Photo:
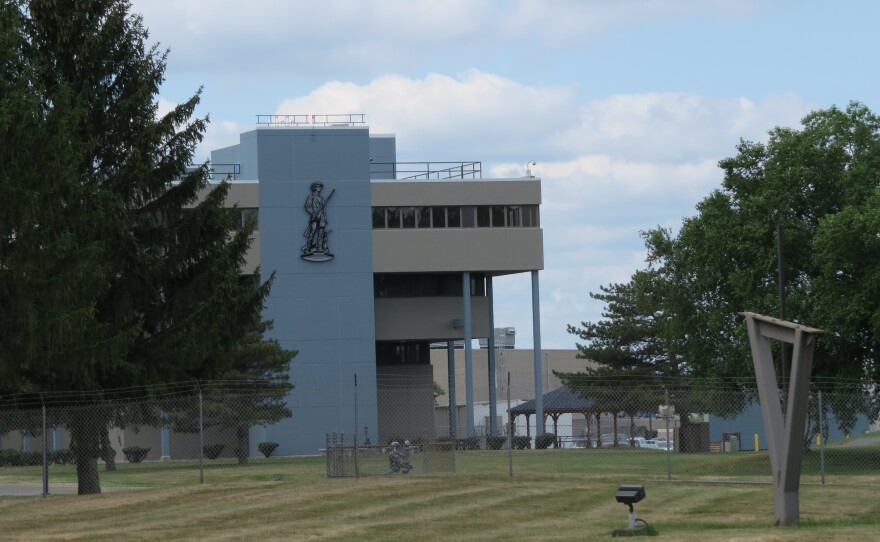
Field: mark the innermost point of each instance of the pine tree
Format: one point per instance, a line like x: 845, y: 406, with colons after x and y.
x: 106, y: 280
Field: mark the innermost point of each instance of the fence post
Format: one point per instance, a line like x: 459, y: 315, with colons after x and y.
x: 201, y: 440
x: 45, y: 456
x: 357, y: 472
x: 821, y: 439
x: 668, y: 457
x: 510, y: 426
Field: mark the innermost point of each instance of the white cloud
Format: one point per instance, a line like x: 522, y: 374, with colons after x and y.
x: 563, y: 23
x: 474, y: 110
x: 164, y: 107
x: 321, y: 36
x: 674, y: 126
x: 620, y: 137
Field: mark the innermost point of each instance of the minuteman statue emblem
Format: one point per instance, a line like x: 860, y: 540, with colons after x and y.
x: 316, y: 249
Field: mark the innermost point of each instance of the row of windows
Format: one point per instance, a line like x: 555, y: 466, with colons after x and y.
x: 240, y: 216
x: 466, y: 216
x: 426, y: 285
x: 406, y: 353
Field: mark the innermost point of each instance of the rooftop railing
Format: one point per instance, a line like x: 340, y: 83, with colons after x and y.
x: 426, y: 170
x: 342, y: 119
x: 223, y: 171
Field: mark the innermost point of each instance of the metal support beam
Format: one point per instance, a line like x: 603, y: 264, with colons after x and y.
x: 468, y: 353
x: 453, y: 406
x: 536, y: 333
x: 785, y: 433
x: 493, y: 409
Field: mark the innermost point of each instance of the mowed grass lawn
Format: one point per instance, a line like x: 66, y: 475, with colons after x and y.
x: 554, y: 495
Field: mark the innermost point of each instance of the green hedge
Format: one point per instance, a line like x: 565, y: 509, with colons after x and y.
x: 135, y: 454
x: 496, y: 442
x: 213, y: 451
x: 266, y: 448
x: 522, y: 442
x: 64, y: 456
x: 14, y: 458
x: 545, y: 440
x: 469, y: 443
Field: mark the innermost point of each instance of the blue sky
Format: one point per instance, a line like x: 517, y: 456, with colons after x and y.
x: 626, y: 105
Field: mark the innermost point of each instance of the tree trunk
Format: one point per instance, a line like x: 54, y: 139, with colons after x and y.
x: 589, y: 433
x: 616, y: 442
x: 84, y: 436
x: 107, y: 451
x: 242, y: 435
x: 598, y: 430
x: 632, y: 431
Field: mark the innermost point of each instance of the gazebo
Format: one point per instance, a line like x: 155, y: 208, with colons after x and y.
x: 560, y: 401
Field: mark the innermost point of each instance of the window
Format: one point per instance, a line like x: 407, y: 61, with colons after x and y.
x: 468, y: 215
x: 438, y: 215
x: 498, y: 216
x: 514, y: 215
x: 241, y: 215
x: 378, y: 218
x: 423, y: 217
x: 393, y: 214
x: 453, y: 217
x: 483, y: 217
x: 250, y: 214
x: 408, y: 217
x: 530, y: 216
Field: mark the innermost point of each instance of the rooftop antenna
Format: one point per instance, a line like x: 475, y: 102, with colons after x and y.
x: 529, y: 171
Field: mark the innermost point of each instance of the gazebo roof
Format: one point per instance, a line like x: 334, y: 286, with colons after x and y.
x: 561, y: 401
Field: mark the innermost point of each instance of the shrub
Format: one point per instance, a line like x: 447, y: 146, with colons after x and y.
x: 31, y: 459
x: 495, y: 442
x: 469, y: 443
x: 522, y: 442
x: 9, y: 458
x: 135, y: 454
x: 545, y: 440
x: 213, y: 451
x: 65, y: 456
x: 266, y: 448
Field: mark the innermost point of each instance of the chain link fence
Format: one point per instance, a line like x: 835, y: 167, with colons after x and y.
x: 698, y: 433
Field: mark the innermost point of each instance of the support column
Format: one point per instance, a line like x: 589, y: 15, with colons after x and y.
x: 490, y: 298
x: 536, y: 332
x: 468, y: 353
x: 453, y: 404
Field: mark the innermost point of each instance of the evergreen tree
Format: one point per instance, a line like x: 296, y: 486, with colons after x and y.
x: 105, y: 280
x: 260, y: 369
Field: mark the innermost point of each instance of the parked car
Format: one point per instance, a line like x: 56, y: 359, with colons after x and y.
x: 658, y: 444
x: 623, y: 441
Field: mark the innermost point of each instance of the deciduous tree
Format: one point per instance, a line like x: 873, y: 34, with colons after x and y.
x: 819, y: 185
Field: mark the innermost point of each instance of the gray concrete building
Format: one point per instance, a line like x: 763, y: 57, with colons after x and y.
x: 374, y: 260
